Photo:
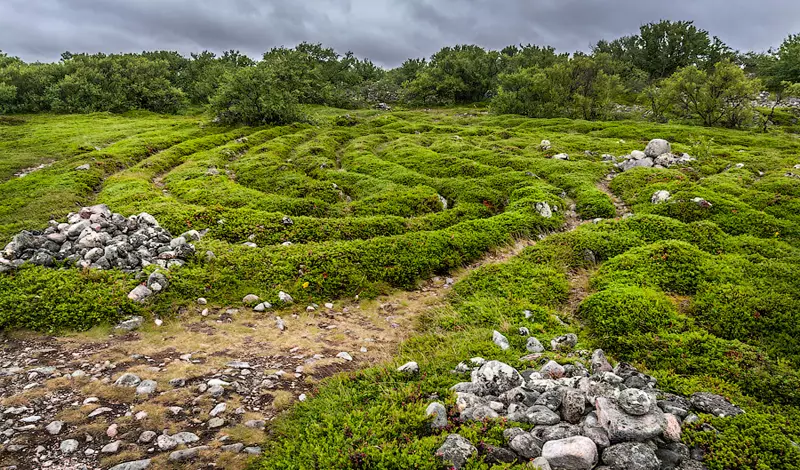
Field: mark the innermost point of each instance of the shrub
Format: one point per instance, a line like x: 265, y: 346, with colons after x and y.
x: 672, y: 266
x: 50, y: 300
x: 254, y: 96
x: 623, y: 310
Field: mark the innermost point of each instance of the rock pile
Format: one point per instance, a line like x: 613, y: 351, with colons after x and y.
x: 609, y: 418
x: 96, y: 238
x: 657, y: 154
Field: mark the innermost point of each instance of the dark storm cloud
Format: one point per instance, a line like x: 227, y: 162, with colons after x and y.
x: 387, y: 31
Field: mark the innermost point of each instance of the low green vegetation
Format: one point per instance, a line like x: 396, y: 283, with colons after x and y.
x: 702, y: 296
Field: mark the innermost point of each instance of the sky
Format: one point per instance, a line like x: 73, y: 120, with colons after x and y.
x: 385, y: 31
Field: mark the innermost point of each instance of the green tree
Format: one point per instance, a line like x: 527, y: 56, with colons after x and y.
x: 460, y: 74
x: 577, y: 88
x: 722, y: 96
x: 660, y: 49
x: 255, y: 96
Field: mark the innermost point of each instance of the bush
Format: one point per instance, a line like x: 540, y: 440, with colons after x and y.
x: 255, y: 96
x: 51, y: 300
x: 623, y: 310
x: 723, y: 96
x: 672, y: 266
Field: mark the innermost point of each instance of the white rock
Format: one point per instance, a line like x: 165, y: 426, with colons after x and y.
x: 345, y: 356
x: 410, y: 368
x: 285, y: 298
x: 572, y: 453
x: 500, y: 340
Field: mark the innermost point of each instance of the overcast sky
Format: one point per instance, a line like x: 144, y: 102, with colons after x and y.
x: 386, y: 31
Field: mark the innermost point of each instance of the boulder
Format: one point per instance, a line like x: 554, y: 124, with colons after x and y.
x: 439, y: 414
x: 128, y: 380
x: 573, y: 405
x: 631, y: 456
x: 495, y: 378
x: 526, y: 446
x: 456, y: 451
x: 410, y: 368
x: 635, y: 402
x: 622, y: 426
x: 534, y: 345
x: 657, y: 147
x: 564, y: 343
x: 572, y: 453
x: 714, y: 404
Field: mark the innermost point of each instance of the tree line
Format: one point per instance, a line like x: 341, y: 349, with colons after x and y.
x: 673, y: 70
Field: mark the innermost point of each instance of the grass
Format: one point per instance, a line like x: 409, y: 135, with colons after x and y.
x: 704, y: 298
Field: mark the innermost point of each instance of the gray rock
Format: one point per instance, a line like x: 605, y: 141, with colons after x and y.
x: 520, y: 395
x: 500, y: 340
x: 714, y: 404
x: 631, y: 456
x: 439, y: 413
x: 545, y: 145
x: 600, y: 362
x: 133, y: 465
x: 543, y: 209
x: 68, y: 446
x: 220, y: 408
x: 250, y: 299
x: 556, y: 432
x: 526, y: 446
x: 540, y: 463
x: 498, y: 455
x: 130, y: 324
x: 660, y: 197
x: 550, y: 399
x: 552, y: 370
x: 456, y: 451
x: 255, y: 424
x: 285, y: 298
x: 534, y: 345
x: 185, y: 437
x: 541, y: 415
x: 252, y: 450
x: 495, y: 378
x: 635, y: 402
x: 572, y: 453
x: 99, y: 411
x: 166, y: 442
x: 214, y: 423
x: 235, y: 448
x: 128, y: 380
x: 573, y: 405
x: 54, y: 428
x: 146, y: 387
x: 186, y: 454
x: 564, y: 343
x: 561, y: 156
x: 147, y: 437
x: 140, y: 294
x: 83, y: 167
x: 410, y: 368
x: 111, y: 447
x: 621, y: 426
x: 657, y: 147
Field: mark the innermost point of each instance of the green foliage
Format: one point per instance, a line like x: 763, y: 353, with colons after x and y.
x: 460, y: 74
x: 622, y: 310
x: 722, y: 96
x: 577, y: 88
x: 765, y: 439
x: 255, y: 96
x: 72, y: 300
x: 660, y: 49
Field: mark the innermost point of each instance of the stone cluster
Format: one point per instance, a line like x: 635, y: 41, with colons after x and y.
x: 96, y: 238
x: 657, y: 154
x: 607, y: 418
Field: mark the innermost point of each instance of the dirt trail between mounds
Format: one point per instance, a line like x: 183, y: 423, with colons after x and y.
x: 219, y: 375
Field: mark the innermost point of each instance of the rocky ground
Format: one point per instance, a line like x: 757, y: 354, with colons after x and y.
x: 203, y: 387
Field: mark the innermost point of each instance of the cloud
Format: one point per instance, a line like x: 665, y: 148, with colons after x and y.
x: 386, y: 31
